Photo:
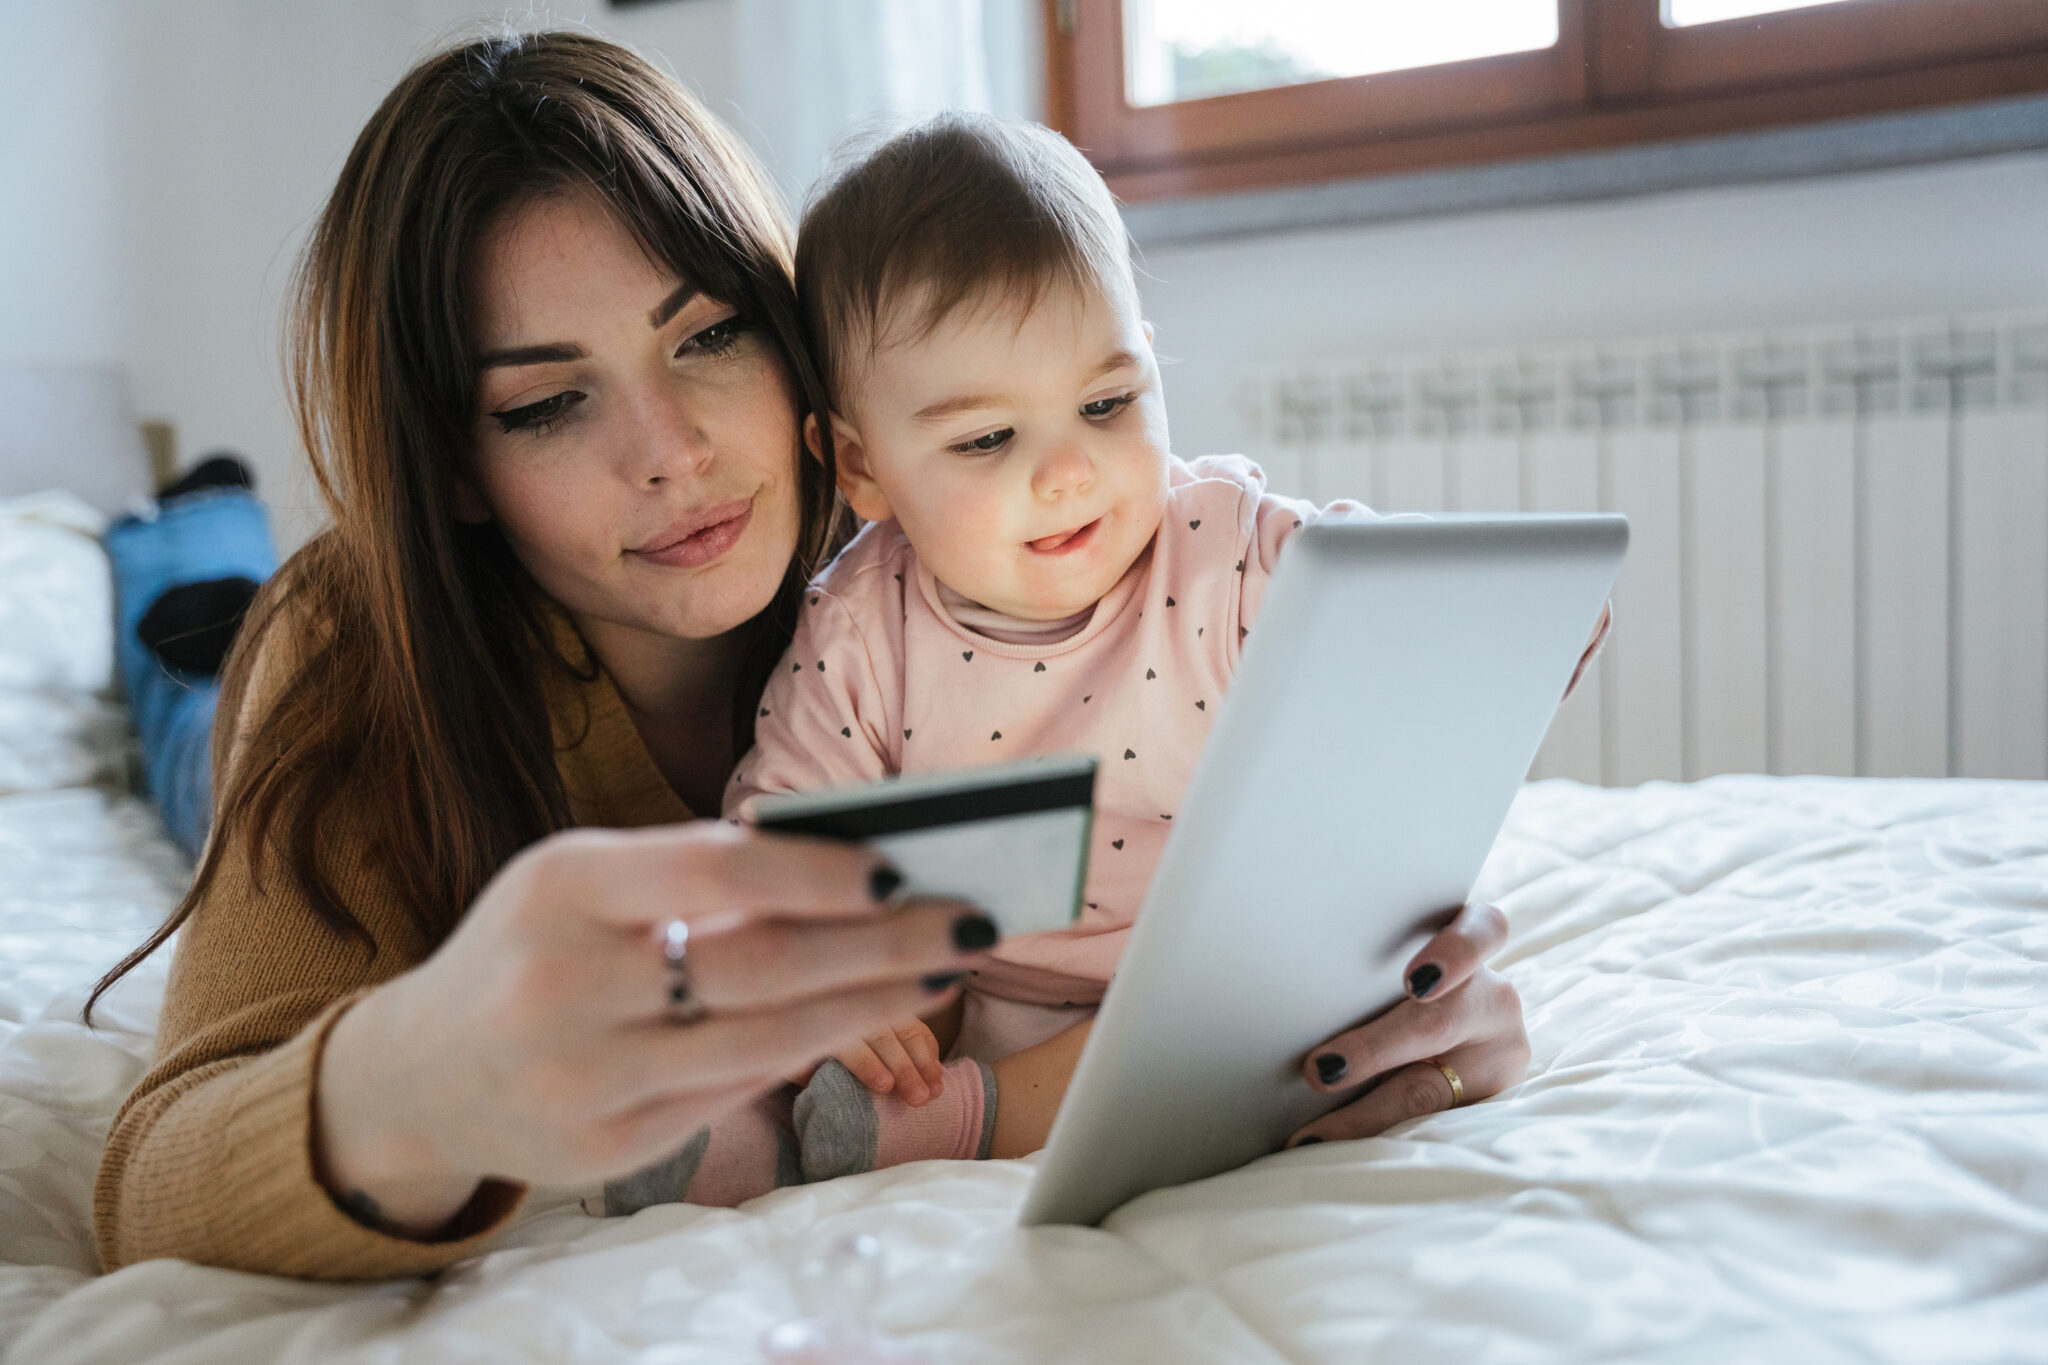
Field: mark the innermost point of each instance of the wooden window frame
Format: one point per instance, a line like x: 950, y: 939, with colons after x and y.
x: 1616, y: 76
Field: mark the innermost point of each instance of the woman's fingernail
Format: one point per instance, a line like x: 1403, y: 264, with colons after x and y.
x: 1423, y: 979
x: 938, y: 983
x: 1305, y: 1141
x: 884, y: 881
x: 972, y: 933
x: 1331, y: 1068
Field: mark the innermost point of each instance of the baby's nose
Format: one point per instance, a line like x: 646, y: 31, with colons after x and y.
x: 1064, y: 470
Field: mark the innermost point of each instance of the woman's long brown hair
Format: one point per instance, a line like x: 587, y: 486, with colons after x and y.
x: 416, y: 642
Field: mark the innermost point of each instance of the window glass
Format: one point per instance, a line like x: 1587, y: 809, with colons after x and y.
x: 1682, y: 13
x: 1192, y: 49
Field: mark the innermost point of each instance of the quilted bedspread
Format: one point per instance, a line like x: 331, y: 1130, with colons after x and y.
x: 1789, y: 1102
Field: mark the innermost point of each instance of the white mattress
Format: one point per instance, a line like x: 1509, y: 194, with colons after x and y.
x: 1789, y: 1102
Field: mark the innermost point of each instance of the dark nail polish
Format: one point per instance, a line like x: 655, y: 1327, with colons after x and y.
x: 938, y: 983
x: 1423, y: 980
x: 972, y: 933
x: 884, y: 881
x: 1331, y: 1068
x: 1303, y: 1142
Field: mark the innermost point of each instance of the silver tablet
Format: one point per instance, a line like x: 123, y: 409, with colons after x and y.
x: 1391, y: 698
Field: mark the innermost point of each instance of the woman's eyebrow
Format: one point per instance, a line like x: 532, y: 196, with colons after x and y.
x: 670, y: 306
x: 554, y: 352
x: 550, y: 353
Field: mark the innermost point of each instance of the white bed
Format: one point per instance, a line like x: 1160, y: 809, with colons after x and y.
x: 1789, y: 1102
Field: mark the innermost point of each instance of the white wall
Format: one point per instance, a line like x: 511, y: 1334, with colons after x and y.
x: 60, y: 200
x: 1964, y: 236
x: 161, y: 164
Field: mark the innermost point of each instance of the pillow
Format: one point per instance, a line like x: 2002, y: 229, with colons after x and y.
x: 60, y: 724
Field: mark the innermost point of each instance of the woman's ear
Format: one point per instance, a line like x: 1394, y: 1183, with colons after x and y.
x: 856, y: 478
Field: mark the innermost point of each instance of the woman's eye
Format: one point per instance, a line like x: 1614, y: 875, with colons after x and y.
x: 1104, y: 407
x: 982, y: 445
x: 543, y: 416
x: 716, y: 339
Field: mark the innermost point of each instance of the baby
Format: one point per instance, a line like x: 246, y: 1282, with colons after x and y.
x: 1040, y: 575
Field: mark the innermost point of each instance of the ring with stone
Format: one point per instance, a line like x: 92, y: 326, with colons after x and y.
x: 683, y: 1004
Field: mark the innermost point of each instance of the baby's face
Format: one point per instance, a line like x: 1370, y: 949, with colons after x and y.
x: 1025, y: 457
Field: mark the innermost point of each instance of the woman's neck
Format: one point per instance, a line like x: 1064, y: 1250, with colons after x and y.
x: 679, y: 694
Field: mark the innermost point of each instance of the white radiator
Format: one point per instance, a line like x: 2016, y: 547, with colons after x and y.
x: 1839, y: 560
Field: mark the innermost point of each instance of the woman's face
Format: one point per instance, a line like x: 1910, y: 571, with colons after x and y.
x: 636, y: 441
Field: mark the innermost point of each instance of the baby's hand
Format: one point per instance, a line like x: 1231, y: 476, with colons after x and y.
x: 904, y: 1060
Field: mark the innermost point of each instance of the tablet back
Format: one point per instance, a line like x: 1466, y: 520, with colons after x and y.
x: 1392, y: 695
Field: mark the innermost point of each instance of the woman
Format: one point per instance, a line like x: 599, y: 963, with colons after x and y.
x: 452, y: 937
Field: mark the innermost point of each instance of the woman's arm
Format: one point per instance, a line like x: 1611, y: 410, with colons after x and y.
x: 210, y: 1158
x: 533, y: 1047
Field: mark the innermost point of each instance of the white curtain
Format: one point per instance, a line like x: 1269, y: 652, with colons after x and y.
x: 810, y: 72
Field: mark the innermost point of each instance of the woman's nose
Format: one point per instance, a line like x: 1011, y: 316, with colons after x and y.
x: 1062, y: 470
x: 668, y: 443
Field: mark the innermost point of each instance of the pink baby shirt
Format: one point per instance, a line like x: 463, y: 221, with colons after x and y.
x: 883, y: 676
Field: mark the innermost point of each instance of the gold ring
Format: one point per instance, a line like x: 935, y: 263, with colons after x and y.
x: 683, y: 1005
x: 1457, y: 1086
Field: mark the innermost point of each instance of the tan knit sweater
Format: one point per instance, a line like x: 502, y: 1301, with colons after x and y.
x: 211, y: 1158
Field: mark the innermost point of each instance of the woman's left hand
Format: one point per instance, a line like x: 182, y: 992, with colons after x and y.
x: 1458, y: 1011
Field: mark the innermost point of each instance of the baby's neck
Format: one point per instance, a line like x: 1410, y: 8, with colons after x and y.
x: 1012, y: 630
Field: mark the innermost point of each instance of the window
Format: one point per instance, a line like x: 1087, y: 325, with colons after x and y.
x: 1193, y: 49
x: 1176, y: 97
x: 1682, y: 13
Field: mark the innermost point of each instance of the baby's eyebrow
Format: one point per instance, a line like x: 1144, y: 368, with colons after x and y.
x: 1115, y: 360
x: 953, y: 407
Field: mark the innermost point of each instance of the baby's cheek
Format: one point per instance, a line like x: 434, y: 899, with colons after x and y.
x: 970, y: 530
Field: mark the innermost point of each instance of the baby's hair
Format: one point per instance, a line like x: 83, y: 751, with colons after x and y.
x: 962, y: 209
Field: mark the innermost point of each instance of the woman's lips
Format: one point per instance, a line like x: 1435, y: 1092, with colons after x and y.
x: 1065, y: 541
x: 700, y: 539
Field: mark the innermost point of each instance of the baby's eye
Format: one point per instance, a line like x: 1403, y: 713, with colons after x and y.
x: 540, y: 417
x: 1105, y: 407
x: 982, y: 445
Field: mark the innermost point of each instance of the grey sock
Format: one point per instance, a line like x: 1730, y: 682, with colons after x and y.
x: 836, y: 1125
x: 838, y: 1131
x: 665, y: 1182
x: 988, y: 1111
x: 669, y: 1180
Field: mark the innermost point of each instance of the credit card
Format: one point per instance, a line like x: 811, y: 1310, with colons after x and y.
x: 1011, y: 838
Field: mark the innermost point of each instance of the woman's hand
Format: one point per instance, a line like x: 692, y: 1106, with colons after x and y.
x: 1458, y: 1010
x: 537, y: 1045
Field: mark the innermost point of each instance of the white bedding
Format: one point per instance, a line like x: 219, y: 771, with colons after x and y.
x: 1789, y: 1102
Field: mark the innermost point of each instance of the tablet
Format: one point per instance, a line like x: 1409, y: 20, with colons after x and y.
x: 1392, y: 695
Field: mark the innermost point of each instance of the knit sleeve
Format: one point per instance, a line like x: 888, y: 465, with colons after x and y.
x: 211, y: 1157
x: 825, y: 718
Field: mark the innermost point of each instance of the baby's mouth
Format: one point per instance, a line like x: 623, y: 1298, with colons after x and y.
x: 1046, y: 545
